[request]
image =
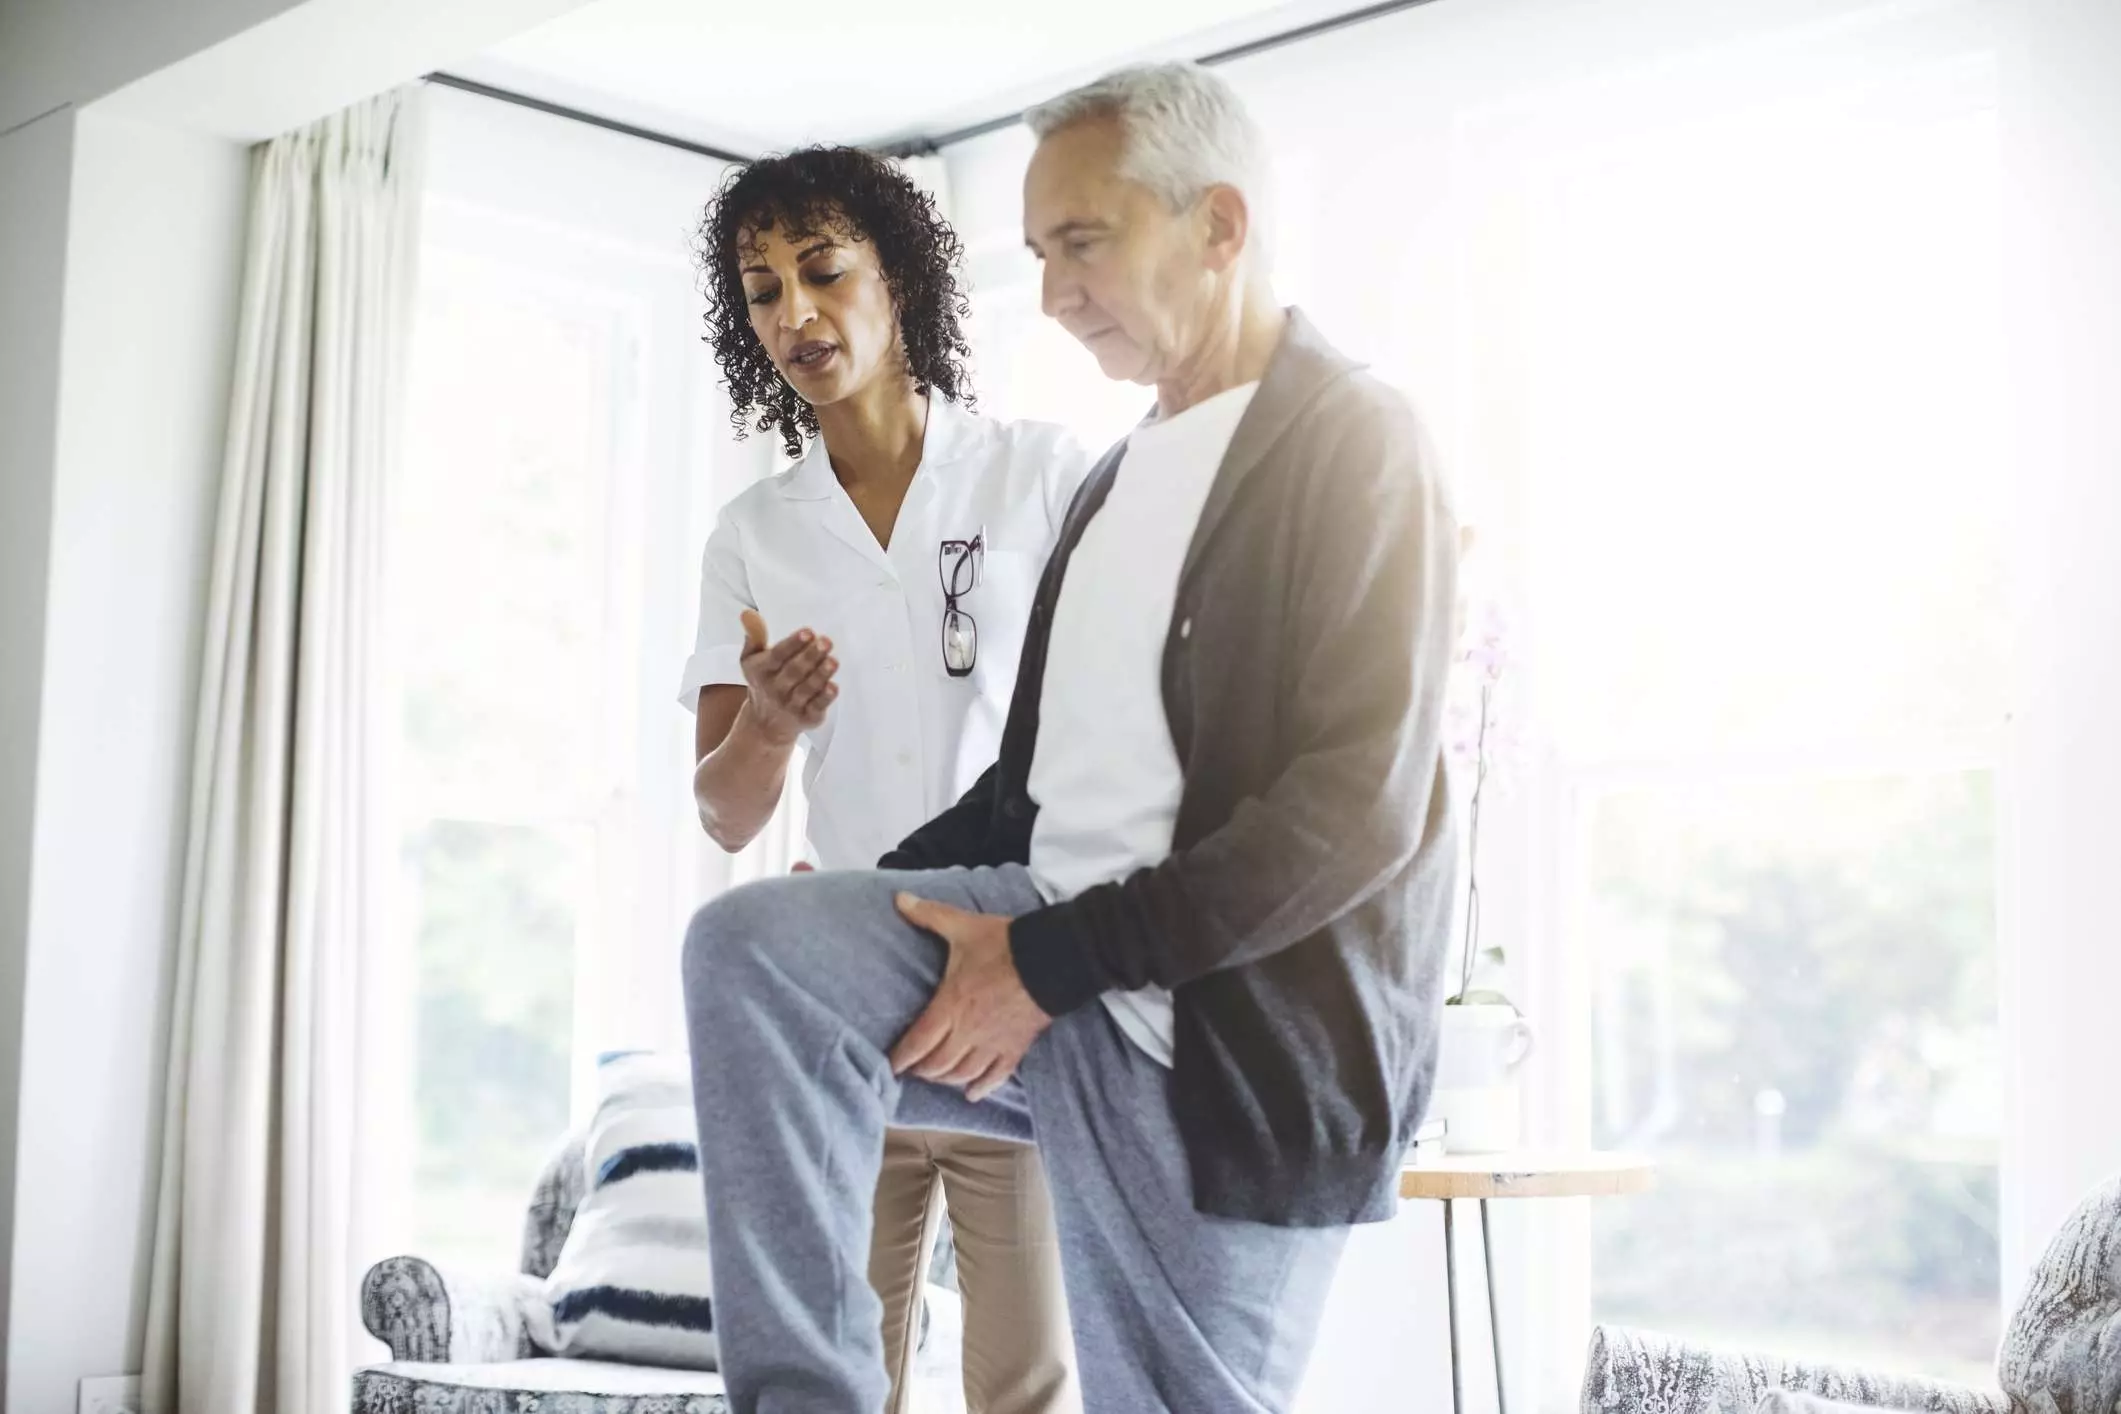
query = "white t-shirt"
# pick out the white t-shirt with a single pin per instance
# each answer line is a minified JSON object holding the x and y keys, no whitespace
{"x":904,"y":739}
{"x":1105,"y":774}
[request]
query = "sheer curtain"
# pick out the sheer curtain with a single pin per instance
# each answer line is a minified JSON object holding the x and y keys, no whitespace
{"x":252,"y":1290}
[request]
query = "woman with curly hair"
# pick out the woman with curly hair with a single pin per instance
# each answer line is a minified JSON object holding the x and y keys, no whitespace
{"x":897,"y":558}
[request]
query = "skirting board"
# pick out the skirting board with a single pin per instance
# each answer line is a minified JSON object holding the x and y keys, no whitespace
{"x":110,"y":1394}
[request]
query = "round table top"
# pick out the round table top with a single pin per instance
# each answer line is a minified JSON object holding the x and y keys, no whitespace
{"x":1529,"y":1173}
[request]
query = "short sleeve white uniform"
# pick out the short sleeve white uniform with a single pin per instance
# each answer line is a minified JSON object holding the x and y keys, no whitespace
{"x":904,"y":739}
{"x":1105,"y":774}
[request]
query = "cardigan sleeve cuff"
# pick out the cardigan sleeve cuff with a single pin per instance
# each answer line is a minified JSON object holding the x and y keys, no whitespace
{"x":1053,"y":961}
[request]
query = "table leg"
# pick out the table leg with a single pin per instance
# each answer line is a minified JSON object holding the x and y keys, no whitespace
{"x":1487,"y":1253}
{"x":1450,"y":1286}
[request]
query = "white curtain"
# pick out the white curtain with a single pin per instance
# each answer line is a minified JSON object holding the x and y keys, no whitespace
{"x":252,"y":1291}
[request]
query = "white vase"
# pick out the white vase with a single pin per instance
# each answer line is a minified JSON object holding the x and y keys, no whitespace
{"x":1479,"y":1089}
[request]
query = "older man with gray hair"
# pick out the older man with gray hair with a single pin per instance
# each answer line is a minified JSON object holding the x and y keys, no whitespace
{"x":1187,"y":934}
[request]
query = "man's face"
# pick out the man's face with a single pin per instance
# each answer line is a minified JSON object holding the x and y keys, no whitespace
{"x":1128,"y":277}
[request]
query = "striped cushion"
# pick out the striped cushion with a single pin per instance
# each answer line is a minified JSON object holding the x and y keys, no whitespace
{"x":632,"y":1282}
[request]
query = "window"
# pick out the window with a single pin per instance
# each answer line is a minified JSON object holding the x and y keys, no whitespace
{"x":562,"y":444}
{"x":516,"y":733}
{"x":1795,"y":1009}
{"x":1757,"y":390}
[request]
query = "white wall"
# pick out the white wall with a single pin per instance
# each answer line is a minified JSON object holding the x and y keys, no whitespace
{"x":59,"y":52}
{"x":2061,"y":112}
{"x":237,"y":68}
{"x":150,"y":300}
{"x":315,"y":58}
{"x":35,"y":172}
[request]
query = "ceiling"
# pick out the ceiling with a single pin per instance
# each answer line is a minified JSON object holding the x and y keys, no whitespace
{"x":756,"y":78}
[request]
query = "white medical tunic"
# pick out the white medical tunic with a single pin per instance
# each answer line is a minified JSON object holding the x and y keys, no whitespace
{"x":904,"y":739}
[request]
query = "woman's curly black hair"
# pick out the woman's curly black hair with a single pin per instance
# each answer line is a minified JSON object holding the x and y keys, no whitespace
{"x":807,"y":192}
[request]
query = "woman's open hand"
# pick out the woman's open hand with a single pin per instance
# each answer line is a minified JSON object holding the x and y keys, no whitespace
{"x":791,"y":682}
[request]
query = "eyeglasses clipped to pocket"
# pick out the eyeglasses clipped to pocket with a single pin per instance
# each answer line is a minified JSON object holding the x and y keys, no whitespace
{"x":959,"y":564}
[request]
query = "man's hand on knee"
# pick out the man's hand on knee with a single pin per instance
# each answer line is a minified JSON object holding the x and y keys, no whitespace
{"x":981,"y":1020}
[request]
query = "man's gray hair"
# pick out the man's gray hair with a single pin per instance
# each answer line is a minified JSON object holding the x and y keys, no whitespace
{"x":1184,"y":129}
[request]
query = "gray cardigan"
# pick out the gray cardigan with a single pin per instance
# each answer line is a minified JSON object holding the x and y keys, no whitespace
{"x":1303,"y":916}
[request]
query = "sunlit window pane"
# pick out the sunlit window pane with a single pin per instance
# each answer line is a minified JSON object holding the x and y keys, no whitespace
{"x":509,"y":721}
{"x":497,"y":908}
{"x":1796,"y":1013}
{"x":501,"y":528}
{"x":1765,"y":372}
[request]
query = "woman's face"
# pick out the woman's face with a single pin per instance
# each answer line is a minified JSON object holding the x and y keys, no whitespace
{"x":821,"y":309}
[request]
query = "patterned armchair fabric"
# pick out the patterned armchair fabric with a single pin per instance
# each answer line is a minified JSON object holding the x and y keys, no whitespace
{"x":2061,"y":1353}
{"x":1782,"y":1401}
{"x":1639,"y":1372}
{"x":426,"y":1315}
{"x":459,"y":1342}
{"x":536,"y":1387}
{"x":551,"y":1212}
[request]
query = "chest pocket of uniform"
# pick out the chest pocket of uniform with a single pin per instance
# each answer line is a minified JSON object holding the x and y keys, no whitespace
{"x":1002,"y":606}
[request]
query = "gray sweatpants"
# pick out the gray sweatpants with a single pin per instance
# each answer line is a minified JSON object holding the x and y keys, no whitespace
{"x":795,"y":991}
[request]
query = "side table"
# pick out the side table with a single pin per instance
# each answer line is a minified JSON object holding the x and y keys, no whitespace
{"x":1517,"y":1174}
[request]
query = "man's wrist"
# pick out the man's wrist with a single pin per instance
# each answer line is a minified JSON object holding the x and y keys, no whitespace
{"x":1051,"y":961}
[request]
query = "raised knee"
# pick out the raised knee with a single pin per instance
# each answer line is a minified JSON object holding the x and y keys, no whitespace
{"x":720,"y":928}
{"x":731,"y":932}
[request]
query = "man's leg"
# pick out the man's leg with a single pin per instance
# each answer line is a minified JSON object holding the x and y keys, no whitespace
{"x":1173,"y":1310}
{"x":795,"y":991}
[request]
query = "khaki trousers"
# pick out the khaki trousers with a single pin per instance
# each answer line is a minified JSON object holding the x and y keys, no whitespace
{"x":1019,"y":1356}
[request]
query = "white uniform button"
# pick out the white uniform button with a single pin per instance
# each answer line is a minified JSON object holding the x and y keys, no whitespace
{"x":905,"y":758}
{"x":1185,"y":630}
